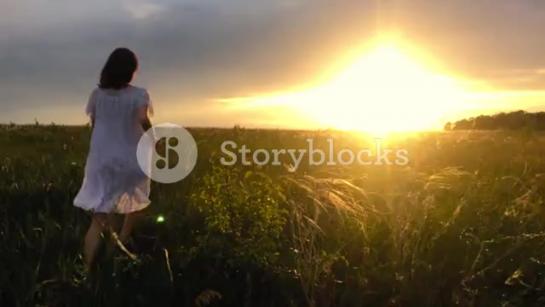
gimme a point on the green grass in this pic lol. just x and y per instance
(463, 224)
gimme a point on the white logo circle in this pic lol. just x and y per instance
(167, 153)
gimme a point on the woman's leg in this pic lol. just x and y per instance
(93, 238)
(113, 227)
(114, 222)
(128, 225)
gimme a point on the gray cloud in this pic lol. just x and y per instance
(192, 51)
(480, 36)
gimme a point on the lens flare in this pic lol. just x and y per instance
(386, 88)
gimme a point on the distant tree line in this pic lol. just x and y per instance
(503, 121)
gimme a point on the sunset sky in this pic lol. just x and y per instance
(282, 63)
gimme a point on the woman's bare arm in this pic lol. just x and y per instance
(143, 115)
(146, 124)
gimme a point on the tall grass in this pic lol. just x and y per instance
(461, 225)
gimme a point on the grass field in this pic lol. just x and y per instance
(463, 224)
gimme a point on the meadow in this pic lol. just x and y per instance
(461, 224)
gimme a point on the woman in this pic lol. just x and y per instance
(113, 182)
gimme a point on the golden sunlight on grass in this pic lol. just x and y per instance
(388, 87)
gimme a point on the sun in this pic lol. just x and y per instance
(386, 88)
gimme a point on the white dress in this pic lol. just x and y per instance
(114, 182)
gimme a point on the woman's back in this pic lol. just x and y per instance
(114, 180)
(117, 124)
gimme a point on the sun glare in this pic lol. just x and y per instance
(382, 90)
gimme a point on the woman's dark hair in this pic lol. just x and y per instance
(119, 69)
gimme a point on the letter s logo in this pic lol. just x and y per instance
(166, 148)
(167, 153)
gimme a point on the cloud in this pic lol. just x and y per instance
(142, 10)
(193, 51)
